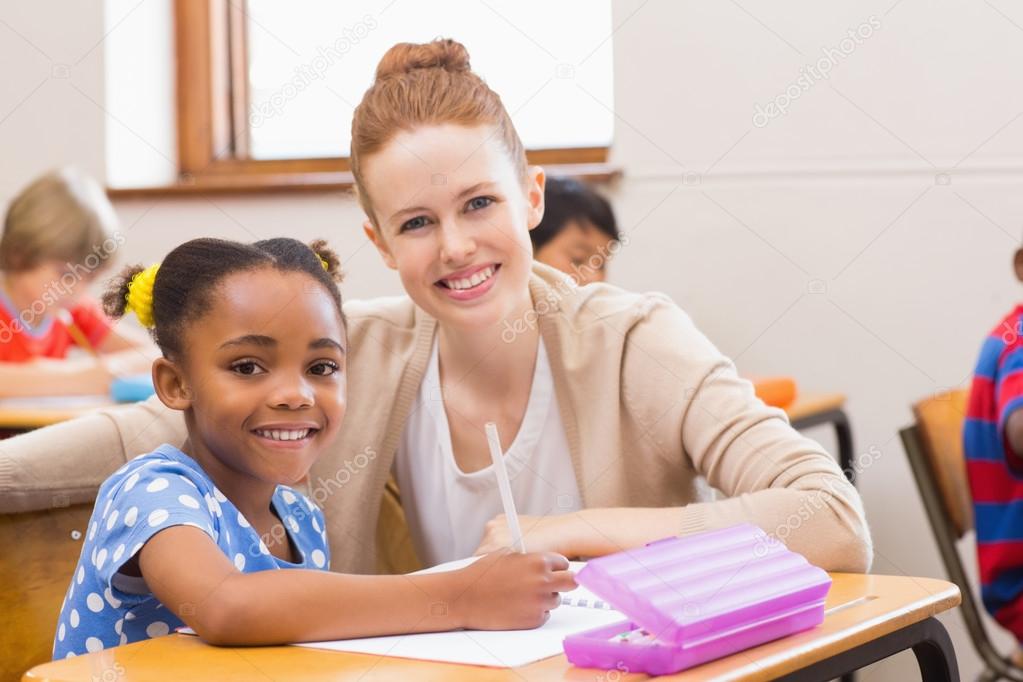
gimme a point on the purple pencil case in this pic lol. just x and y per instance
(693, 599)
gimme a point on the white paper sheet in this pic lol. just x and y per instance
(503, 649)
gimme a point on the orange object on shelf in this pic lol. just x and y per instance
(775, 391)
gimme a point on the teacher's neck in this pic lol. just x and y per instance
(493, 357)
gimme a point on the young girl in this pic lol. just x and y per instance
(59, 234)
(255, 359)
(618, 417)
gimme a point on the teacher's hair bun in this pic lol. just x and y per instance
(442, 53)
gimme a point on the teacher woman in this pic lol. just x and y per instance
(617, 415)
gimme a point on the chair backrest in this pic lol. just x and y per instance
(939, 420)
(40, 550)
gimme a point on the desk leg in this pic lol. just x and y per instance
(928, 639)
(843, 433)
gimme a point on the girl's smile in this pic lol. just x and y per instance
(469, 284)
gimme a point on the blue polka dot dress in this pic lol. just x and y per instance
(105, 608)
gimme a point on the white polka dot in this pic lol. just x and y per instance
(157, 484)
(101, 558)
(129, 616)
(94, 602)
(288, 496)
(293, 524)
(93, 644)
(219, 495)
(135, 549)
(130, 516)
(130, 483)
(213, 505)
(119, 552)
(242, 521)
(73, 618)
(319, 558)
(124, 639)
(188, 501)
(157, 629)
(263, 548)
(111, 599)
(81, 575)
(61, 631)
(227, 534)
(112, 519)
(308, 502)
(239, 561)
(70, 654)
(157, 516)
(119, 626)
(92, 530)
(316, 525)
(94, 556)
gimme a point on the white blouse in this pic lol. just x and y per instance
(447, 508)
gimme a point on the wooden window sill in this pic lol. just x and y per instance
(315, 182)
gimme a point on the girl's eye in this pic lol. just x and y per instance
(413, 224)
(325, 368)
(476, 203)
(247, 368)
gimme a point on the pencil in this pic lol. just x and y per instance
(504, 485)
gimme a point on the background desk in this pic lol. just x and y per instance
(24, 414)
(868, 618)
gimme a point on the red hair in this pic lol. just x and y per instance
(426, 84)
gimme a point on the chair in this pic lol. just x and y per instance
(40, 550)
(934, 447)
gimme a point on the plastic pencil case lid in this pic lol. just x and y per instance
(699, 597)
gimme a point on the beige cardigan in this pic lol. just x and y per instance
(653, 412)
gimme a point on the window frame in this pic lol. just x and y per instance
(211, 88)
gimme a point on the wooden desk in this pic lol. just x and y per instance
(868, 618)
(22, 414)
(814, 409)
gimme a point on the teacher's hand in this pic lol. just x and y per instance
(539, 534)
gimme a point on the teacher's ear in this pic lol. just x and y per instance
(378, 241)
(536, 180)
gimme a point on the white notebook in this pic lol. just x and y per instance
(581, 610)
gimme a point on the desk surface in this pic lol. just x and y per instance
(810, 404)
(33, 413)
(859, 608)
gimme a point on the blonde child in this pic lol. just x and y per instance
(60, 234)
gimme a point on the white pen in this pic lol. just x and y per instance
(504, 485)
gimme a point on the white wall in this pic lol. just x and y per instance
(861, 242)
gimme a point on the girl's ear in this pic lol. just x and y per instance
(171, 387)
(378, 241)
(536, 180)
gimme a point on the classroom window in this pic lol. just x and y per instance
(266, 90)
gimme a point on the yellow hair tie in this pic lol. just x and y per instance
(140, 295)
(324, 263)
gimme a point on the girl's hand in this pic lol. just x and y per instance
(539, 533)
(511, 591)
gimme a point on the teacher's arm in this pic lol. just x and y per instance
(65, 463)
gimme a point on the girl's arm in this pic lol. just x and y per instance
(190, 575)
(53, 377)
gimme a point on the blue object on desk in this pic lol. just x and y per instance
(132, 389)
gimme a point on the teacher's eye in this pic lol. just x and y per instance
(325, 368)
(413, 224)
(247, 368)
(476, 203)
